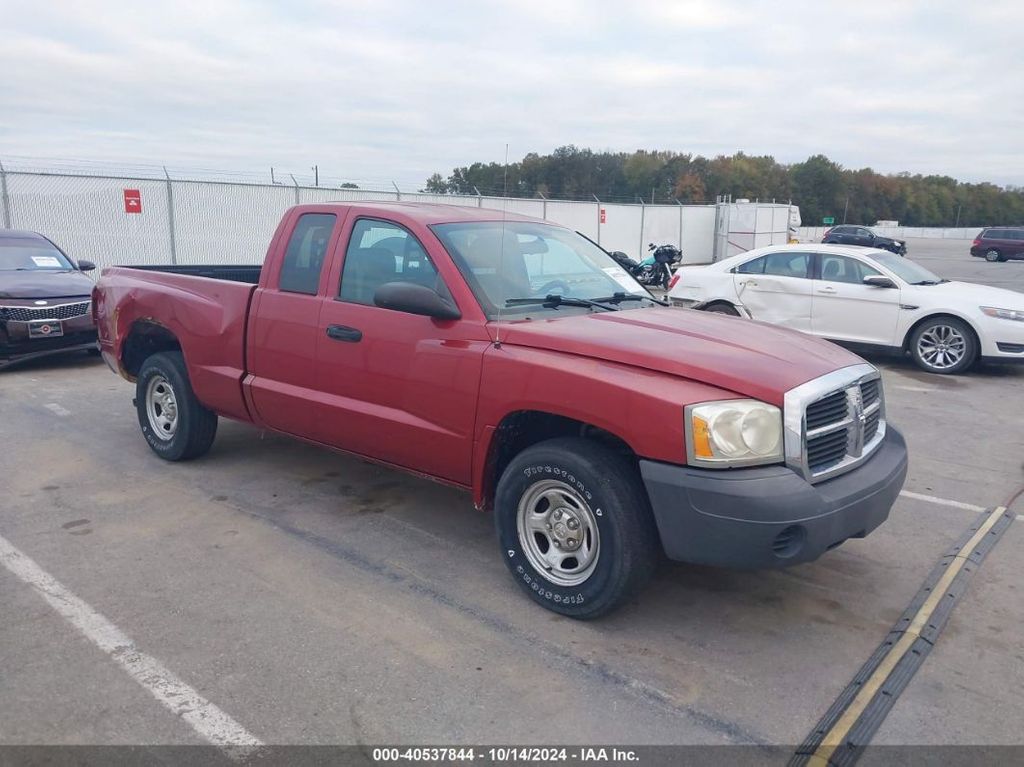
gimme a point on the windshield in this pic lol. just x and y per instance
(31, 255)
(906, 269)
(537, 261)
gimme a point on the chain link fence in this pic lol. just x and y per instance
(142, 219)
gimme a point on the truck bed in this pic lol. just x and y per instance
(204, 307)
(231, 272)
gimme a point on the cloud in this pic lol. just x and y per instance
(397, 90)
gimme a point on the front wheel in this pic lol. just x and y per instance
(575, 526)
(943, 345)
(174, 423)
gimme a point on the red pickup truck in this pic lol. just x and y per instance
(514, 358)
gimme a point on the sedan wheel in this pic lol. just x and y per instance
(943, 345)
(992, 255)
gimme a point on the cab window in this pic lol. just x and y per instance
(844, 269)
(305, 255)
(756, 266)
(787, 264)
(380, 252)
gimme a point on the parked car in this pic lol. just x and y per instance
(871, 300)
(999, 243)
(847, 234)
(515, 359)
(44, 299)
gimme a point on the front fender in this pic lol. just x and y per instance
(641, 407)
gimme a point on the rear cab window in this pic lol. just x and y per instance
(306, 252)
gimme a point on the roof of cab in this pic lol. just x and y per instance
(427, 213)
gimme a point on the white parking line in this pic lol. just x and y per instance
(58, 409)
(204, 717)
(941, 501)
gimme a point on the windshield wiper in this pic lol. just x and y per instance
(619, 297)
(929, 282)
(553, 301)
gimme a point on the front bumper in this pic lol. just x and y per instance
(17, 346)
(770, 516)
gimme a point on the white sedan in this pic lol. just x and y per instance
(872, 300)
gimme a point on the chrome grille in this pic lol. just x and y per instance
(828, 410)
(827, 450)
(835, 422)
(56, 312)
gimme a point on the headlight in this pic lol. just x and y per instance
(736, 432)
(1003, 314)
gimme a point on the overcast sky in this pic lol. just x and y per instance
(381, 90)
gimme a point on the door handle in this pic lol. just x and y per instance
(827, 290)
(750, 283)
(344, 333)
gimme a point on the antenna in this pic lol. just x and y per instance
(501, 250)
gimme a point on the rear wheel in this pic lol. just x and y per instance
(174, 423)
(943, 345)
(992, 255)
(723, 308)
(575, 526)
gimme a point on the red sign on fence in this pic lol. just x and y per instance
(132, 201)
(604, 216)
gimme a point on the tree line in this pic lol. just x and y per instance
(818, 185)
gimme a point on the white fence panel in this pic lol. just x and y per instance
(815, 233)
(535, 208)
(442, 199)
(226, 223)
(86, 216)
(661, 226)
(579, 216)
(698, 237)
(621, 229)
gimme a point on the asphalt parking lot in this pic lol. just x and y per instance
(316, 598)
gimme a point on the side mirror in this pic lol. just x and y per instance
(414, 299)
(878, 281)
(85, 266)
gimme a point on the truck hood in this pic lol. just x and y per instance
(743, 356)
(44, 284)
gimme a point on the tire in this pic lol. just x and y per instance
(992, 255)
(943, 345)
(597, 496)
(723, 308)
(174, 423)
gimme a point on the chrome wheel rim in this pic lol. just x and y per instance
(942, 347)
(992, 255)
(558, 532)
(161, 407)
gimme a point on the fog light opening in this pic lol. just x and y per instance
(789, 542)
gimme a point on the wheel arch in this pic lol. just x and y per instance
(145, 338)
(521, 429)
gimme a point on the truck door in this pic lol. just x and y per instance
(283, 325)
(398, 387)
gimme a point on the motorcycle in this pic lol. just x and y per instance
(653, 271)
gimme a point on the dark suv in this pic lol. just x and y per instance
(998, 243)
(848, 234)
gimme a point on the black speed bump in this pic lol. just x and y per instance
(851, 721)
